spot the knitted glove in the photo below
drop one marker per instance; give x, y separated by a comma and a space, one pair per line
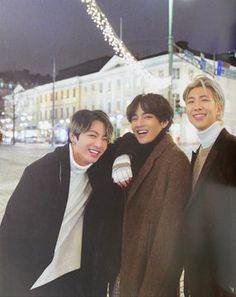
121, 170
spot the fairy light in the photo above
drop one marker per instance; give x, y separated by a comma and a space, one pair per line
110, 36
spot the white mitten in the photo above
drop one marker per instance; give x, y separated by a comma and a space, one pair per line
121, 170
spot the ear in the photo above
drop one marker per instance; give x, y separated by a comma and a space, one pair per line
164, 124
220, 108
73, 138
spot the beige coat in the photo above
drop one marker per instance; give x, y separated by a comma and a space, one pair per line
152, 230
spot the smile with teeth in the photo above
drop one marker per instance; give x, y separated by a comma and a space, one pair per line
94, 152
141, 131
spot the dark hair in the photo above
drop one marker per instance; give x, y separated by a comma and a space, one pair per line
154, 104
82, 120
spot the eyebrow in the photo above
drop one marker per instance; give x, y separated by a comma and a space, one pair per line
91, 130
202, 96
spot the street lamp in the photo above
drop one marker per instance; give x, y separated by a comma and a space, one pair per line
53, 101
170, 47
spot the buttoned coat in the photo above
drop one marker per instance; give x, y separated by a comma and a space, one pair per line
211, 223
33, 217
155, 204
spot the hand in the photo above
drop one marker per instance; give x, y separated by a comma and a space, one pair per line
121, 171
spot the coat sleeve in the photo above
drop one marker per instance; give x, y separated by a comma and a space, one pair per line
13, 235
231, 186
166, 252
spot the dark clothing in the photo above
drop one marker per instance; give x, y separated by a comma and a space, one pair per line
33, 217
68, 285
211, 224
128, 144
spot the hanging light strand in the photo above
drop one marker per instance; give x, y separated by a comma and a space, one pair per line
110, 36
108, 32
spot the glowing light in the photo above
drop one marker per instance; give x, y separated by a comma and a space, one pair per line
110, 36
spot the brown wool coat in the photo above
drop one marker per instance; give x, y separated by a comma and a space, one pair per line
152, 228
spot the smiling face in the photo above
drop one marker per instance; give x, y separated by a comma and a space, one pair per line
90, 145
201, 108
146, 126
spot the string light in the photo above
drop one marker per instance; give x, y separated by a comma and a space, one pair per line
110, 36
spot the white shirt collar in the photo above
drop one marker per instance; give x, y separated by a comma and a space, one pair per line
208, 136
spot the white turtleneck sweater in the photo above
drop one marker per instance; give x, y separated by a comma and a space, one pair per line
207, 138
67, 254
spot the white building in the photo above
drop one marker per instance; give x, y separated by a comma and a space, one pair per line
116, 84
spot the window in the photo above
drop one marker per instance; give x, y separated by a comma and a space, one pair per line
74, 92
62, 113
176, 73
109, 107
118, 84
100, 87
118, 106
68, 93
62, 94
176, 98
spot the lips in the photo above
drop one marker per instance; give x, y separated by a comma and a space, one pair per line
141, 131
199, 116
95, 153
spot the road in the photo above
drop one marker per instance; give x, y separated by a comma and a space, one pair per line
13, 160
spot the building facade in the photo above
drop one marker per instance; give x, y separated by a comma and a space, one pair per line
114, 86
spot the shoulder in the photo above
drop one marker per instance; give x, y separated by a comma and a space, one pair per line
227, 143
49, 161
175, 160
174, 152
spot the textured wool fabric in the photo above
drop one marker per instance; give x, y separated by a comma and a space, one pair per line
67, 254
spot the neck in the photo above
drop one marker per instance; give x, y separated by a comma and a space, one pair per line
208, 136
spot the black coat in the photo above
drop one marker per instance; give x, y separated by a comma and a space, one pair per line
33, 217
211, 224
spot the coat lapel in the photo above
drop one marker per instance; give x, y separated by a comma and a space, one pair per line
63, 180
155, 154
207, 166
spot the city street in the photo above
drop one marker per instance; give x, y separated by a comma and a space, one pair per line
13, 160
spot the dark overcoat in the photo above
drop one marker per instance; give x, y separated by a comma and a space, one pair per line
33, 217
152, 248
211, 224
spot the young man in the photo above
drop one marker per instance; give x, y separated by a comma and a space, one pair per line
155, 202
54, 237
210, 269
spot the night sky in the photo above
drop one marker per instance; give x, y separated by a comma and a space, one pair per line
33, 31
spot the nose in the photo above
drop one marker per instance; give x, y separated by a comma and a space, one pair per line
197, 105
139, 122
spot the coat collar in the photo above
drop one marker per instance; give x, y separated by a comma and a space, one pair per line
63, 159
155, 154
216, 148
